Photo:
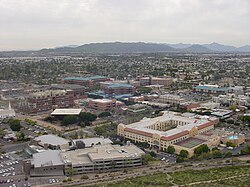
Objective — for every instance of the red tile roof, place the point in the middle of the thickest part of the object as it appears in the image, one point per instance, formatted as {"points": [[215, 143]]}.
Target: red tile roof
{"points": [[210, 123], [138, 132], [178, 135]]}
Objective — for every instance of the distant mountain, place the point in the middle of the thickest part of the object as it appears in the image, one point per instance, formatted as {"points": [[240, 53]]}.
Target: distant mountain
{"points": [[115, 47], [67, 46], [137, 47], [220, 47], [179, 45], [245, 48], [119, 47], [196, 48]]}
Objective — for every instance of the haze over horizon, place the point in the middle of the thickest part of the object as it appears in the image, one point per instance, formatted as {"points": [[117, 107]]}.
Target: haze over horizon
{"points": [[27, 25]]}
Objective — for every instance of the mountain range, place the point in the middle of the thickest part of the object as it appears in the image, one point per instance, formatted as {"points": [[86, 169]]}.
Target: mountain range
{"points": [[139, 47]]}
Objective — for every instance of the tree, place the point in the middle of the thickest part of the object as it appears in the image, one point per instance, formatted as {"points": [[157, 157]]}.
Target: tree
{"points": [[146, 159], [230, 144], [180, 159], [67, 120], [246, 150], [217, 154], [184, 153], [171, 149], [233, 107], [153, 154], [50, 119], [104, 114], [201, 149], [70, 171], [15, 124], [144, 90], [228, 154], [87, 117], [20, 136]]}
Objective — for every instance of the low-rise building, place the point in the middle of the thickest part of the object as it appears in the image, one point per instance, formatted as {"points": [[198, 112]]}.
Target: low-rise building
{"points": [[171, 99], [232, 99], [45, 163], [93, 159], [102, 158], [51, 141], [211, 89], [66, 112], [168, 129], [78, 90], [118, 89], [221, 113], [189, 105], [165, 81], [104, 104]]}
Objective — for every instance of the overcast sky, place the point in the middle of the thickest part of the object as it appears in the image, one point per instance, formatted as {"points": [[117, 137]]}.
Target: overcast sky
{"points": [[34, 24]]}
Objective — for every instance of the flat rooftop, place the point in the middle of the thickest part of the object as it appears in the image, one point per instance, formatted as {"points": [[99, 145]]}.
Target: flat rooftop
{"points": [[119, 85], [102, 100], [66, 111], [47, 158], [51, 139], [100, 153]]}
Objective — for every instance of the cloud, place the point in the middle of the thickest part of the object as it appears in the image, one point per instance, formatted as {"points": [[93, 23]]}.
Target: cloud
{"points": [[34, 24]]}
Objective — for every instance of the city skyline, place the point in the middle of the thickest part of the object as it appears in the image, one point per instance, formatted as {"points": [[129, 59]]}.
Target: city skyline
{"points": [[32, 25]]}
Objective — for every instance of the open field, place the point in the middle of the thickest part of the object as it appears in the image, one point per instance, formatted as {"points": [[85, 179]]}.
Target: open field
{"points": [[226, 176]]}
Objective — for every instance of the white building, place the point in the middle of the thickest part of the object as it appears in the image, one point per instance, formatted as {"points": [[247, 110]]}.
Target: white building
{"points": [[7, 113]]}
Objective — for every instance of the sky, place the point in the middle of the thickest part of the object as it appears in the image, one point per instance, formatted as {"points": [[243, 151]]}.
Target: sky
{"points": [[36, 24]]}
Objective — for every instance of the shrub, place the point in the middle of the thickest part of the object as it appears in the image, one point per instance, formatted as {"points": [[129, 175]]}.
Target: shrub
{"points": [[84, 177]]}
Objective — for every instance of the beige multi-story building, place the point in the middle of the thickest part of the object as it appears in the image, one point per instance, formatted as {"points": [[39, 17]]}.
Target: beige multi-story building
{"points": [[168, 129], [166, 81], [92, 159], [171, 99], [104, 104]]}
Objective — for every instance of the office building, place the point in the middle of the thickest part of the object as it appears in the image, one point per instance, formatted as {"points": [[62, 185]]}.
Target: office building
{"points": [[50, 99], [99, 158], [104, 104]]}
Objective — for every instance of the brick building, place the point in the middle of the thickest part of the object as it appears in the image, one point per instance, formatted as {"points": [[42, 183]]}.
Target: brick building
{"points": [[118, 89], [50, 99]]}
